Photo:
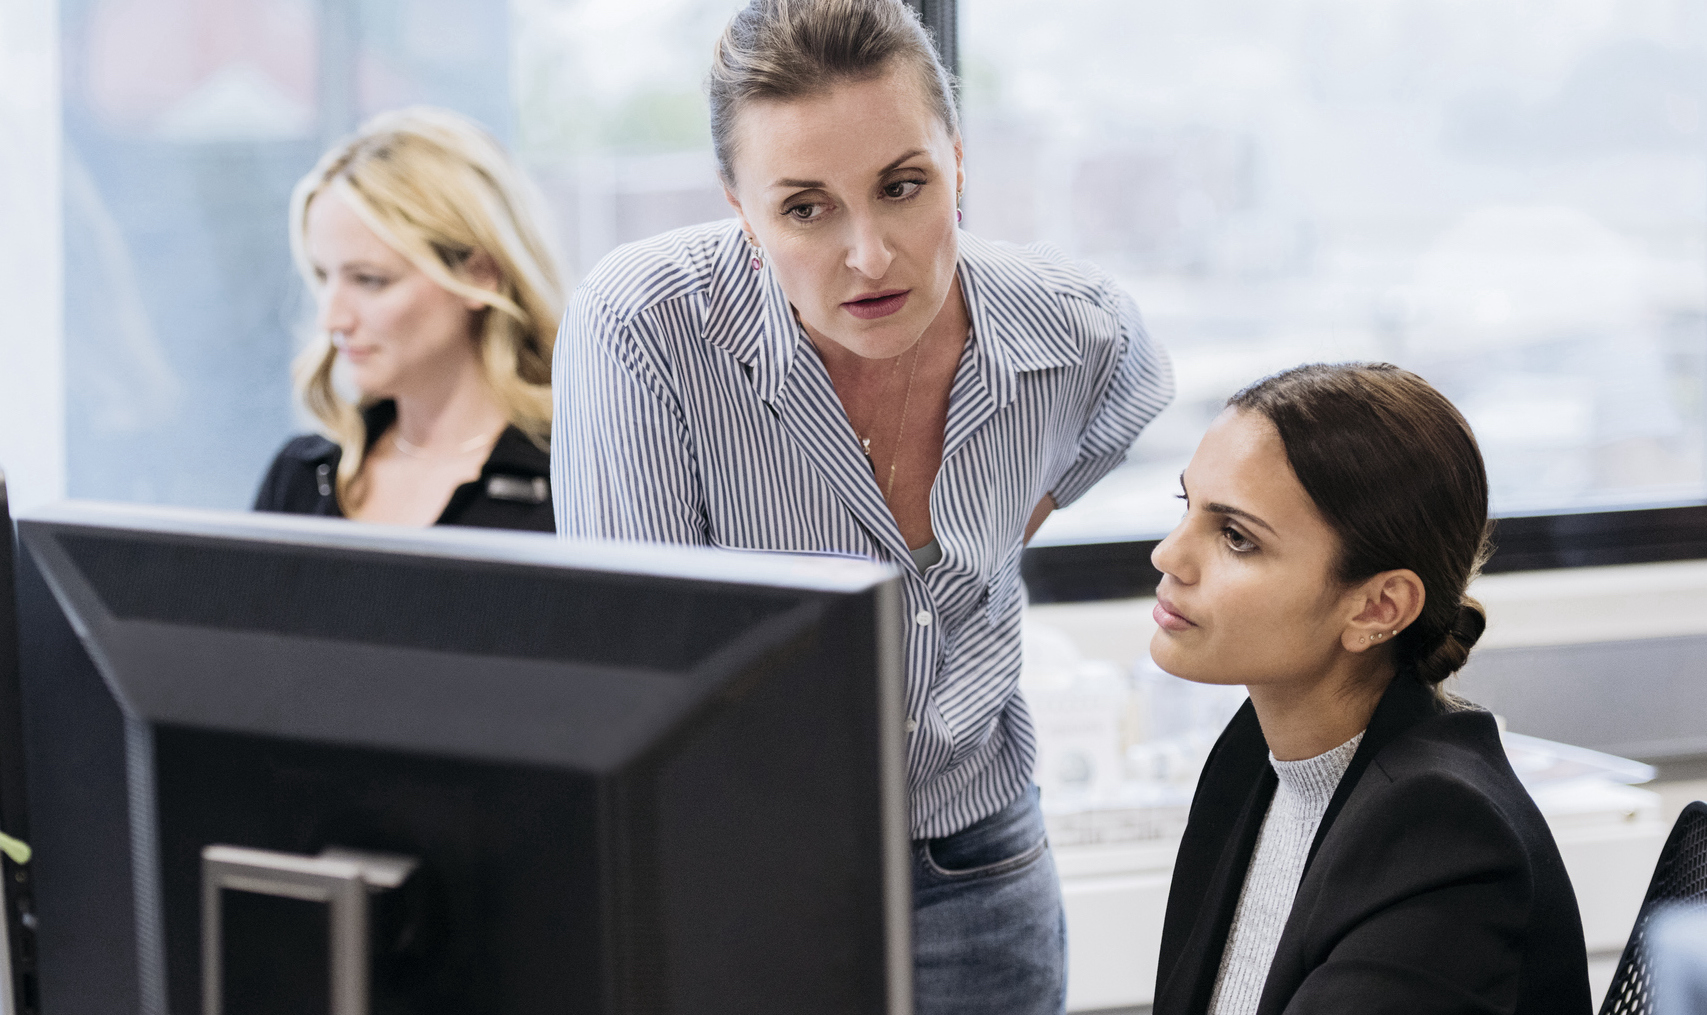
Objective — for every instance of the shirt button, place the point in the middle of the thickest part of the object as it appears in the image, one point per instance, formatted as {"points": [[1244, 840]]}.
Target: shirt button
{"points": [[923, 617], [912, 724]]}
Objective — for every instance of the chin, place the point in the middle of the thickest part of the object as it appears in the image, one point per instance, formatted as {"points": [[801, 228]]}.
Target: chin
{"points": [[1177, 660], [884, 339]]}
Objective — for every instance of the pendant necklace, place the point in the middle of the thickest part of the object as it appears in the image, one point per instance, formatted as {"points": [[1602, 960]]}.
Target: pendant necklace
{"points": [[865, 441]]}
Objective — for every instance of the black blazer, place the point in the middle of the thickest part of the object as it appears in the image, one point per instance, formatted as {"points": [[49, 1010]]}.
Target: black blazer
{"points": [[513, 491], [1432, 886]]}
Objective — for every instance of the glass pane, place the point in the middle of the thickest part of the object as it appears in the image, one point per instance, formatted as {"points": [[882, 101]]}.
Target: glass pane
{"points": [[186, 124], [612, 119], [1509, 197]]}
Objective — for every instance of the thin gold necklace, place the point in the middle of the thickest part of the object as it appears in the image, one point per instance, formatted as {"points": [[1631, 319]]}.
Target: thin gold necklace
{"points": [[900, 431], [467, 447]]}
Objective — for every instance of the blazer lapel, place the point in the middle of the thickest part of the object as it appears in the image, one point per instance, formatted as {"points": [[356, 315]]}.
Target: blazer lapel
{"points": [[1206, 884], [1404, 704]]}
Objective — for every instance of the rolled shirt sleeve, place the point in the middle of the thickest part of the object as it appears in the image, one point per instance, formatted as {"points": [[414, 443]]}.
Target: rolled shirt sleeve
{"points": [[1141, 386]]}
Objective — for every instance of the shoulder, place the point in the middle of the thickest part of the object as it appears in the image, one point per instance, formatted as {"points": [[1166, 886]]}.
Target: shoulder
{"points": [[1442, 797], [1040, 273], [292, 482], [636, 277], [515, 453], [307, 451], [1461, 748], [1061, 309]]}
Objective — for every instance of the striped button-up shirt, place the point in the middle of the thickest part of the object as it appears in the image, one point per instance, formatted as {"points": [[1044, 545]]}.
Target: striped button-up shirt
{"points": [[692, 408]]}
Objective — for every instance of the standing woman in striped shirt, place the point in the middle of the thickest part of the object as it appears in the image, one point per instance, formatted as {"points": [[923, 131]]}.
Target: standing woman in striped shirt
{"points": [[841, 370]]}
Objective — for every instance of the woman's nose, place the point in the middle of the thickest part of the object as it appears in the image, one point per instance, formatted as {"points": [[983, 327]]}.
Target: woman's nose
{"points": [[868, 249], [335, 311], [1170, 557]]}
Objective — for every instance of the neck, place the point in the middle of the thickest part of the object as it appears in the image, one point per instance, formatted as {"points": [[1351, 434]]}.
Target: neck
{"points": [[1304, 718], [448, 411]]}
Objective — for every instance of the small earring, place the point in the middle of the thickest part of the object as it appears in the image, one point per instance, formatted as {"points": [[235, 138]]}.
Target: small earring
{"points": [[1363, 641], [758, 260], [957, 208]]}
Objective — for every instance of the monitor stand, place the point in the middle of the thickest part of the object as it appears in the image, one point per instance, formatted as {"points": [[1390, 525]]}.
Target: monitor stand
{"points": [[291, 933]]}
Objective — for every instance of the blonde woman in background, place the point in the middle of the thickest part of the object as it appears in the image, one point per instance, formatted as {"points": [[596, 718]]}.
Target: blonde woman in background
{"points": [[437, 303]]}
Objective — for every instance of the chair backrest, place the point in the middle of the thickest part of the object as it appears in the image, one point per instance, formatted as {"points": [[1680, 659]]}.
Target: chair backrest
{"points": [[1680, 878]]}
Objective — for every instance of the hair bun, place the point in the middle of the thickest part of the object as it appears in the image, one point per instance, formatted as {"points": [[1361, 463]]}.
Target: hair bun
{"points": [[1470, 623], [1451, 650]]}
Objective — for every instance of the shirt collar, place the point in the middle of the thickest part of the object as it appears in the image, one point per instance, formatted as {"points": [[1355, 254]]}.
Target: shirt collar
{"points": [[1018, 320]]}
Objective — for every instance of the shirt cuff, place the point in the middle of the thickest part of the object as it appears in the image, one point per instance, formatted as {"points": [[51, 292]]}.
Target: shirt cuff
{"points": [[1082, 475]]}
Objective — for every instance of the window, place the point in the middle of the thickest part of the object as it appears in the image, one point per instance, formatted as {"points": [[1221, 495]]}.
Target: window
{"points": [[612, 116], [1508, 197], [186, 123]]}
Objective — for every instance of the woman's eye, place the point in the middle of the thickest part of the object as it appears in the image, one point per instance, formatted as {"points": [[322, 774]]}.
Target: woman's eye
{"points": [[902, 189], [370, 281], [1236, 540], [804, 212]]}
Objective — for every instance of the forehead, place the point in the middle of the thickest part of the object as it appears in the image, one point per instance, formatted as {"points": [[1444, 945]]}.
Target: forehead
{"points": [[854, 127], [1242, 463], [335, 233]]}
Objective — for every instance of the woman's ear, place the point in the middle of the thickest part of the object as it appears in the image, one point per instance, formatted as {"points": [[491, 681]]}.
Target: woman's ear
{"points": [[959, 167], [740, 213], [480, 271], [1384, 605]]}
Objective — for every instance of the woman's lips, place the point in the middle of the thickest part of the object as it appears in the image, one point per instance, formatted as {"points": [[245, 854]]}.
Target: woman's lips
{"points": [[870, 308], [1169, 620]]}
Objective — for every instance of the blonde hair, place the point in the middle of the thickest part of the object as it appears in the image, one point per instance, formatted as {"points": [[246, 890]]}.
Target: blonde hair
{"points": [[439, 189], [787, 49]]}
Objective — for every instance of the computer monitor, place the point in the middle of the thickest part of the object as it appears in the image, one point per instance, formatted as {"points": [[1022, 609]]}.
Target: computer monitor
{"points": [[498, 772], [19, 955]]}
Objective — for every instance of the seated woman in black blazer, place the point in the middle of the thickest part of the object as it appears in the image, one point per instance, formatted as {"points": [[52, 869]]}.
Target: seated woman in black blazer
{"points": [[1358, 842]]}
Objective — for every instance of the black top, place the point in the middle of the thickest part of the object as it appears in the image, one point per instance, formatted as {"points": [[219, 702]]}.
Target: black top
{"points": [[1433, 884], [513, 491]]}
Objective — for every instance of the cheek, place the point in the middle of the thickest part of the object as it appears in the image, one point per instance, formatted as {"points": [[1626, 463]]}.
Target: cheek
{"points": [[1256, 628], [420, 318], [807, 269]]}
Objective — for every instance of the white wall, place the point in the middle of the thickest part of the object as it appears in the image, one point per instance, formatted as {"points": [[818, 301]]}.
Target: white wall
{"points": [[32, 381]]}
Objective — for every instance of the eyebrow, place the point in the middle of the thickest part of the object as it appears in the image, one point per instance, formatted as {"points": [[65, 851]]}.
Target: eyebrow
{"points": [[819, 184], [1228, 509]]}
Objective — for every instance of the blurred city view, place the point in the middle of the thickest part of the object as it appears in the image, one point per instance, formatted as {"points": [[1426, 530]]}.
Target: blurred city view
{"points": [[1508, 196]]}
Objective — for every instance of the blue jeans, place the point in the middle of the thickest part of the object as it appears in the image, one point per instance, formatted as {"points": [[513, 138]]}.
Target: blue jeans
{"points": [[989, 933]]}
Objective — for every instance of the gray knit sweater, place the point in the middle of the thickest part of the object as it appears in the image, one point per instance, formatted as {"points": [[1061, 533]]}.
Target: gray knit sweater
{"points": [[1271, 882]]}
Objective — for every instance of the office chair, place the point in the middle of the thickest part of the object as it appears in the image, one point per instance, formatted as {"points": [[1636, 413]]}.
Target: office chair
{"points": [[1680, 879]]}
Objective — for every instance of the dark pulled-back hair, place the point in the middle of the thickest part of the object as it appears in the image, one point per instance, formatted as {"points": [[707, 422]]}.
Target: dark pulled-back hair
{"points": [[1395, 470], [779, 50]]}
